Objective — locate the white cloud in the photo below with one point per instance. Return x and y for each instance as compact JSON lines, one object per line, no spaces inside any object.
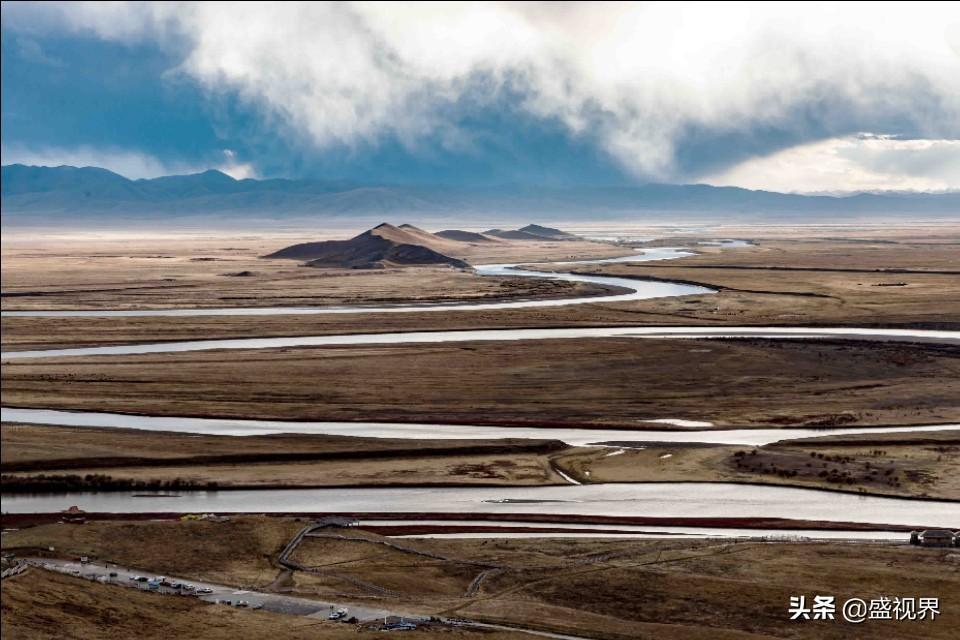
{"x":28,"y":49}
{"x":236,"y":169}
{"x":854,"y":163}
{"x":636,"y":76}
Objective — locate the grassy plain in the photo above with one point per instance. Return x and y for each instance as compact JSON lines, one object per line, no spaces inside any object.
{"x":904,"y":276}
{"x":920,"y":465}
{"x":889,"y":275}
{"x":595,"y":588}
{"x":914,"y":465}
{"x":274,"y":460}
{"x":617,"y":382}
{"x":117,"y":271}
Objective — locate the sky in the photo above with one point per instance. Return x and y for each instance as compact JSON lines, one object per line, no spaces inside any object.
{"x":793,"y":97}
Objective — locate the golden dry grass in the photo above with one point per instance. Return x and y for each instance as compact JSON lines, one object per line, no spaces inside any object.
{"x":183,"y":271}
{"x":239,"y":553}
{"x":40,"y":605}
{"x":884,"y":467}
{"x":613,"y":381}
{"x":514,"y":470}
{"x":755,"y":295}
{"x":598,"y":588}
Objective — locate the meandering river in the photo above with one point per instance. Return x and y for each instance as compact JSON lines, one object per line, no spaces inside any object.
{"x":662,"y":500}
{"x":633,"y":290}
{"x":498,"y":335}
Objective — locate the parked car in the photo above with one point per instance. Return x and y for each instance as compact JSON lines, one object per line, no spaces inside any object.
{"x":113,"y":574}
{"x":241,"y":603}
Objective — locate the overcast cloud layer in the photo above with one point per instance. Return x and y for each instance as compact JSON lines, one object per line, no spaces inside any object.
{"x":773,"y":95}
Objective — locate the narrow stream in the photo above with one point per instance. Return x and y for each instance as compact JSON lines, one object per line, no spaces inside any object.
{"x":498,"y":335}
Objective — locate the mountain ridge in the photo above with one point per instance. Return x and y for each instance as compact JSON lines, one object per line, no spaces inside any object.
{"x":28,"y":191}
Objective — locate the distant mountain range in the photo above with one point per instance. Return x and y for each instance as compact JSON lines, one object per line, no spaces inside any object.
{"x":41,"y":194}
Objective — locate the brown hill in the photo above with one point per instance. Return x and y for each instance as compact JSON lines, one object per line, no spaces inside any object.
{"x":547,"y":232}
{"x":531,"y":232}
{"x":513,"y":234}
{"x":464,"y":236}
{"x":410,"y":234}
{"x":384,"y":245}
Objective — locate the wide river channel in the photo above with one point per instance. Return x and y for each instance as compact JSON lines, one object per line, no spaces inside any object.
{"x":423,"y":431}
{"x":666,"y":500}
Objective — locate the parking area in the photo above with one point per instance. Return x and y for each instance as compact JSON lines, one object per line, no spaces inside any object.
{"x":215,"y":593}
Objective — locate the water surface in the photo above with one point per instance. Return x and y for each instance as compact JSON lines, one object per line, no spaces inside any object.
{"x":673,"y":500}
{"x":426,"y":431}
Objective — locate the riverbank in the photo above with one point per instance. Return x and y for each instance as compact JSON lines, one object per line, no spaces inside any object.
{"x":48,"y":458}
{"x":412,"y":523}
{"x":52,"y":459}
